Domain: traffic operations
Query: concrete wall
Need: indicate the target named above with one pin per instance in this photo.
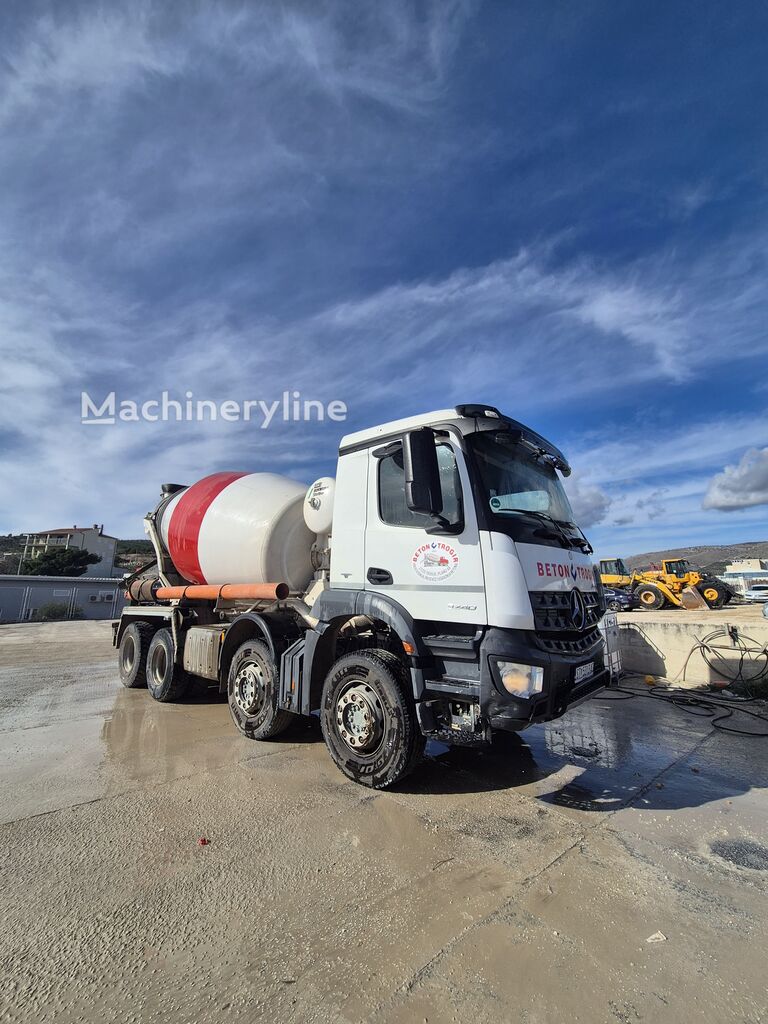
(95, 598)
(658, 643)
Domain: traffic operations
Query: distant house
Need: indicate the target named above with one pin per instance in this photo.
(745, 572)
(85, 538)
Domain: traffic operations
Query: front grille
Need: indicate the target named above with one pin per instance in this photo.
(569, 644)
(554, 623)
(552, 609)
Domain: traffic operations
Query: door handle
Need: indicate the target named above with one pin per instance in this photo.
(381, 577)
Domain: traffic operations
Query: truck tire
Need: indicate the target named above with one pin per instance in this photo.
(649, 596)
(166, 681)
(132, 656)
(713, 594)
(368, 719)
(252, 693)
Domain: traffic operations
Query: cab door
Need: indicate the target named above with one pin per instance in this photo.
(434, 576)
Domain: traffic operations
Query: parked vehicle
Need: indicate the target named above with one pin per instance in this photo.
(437, 588)
(677, 584)
(757, 592)
(618, 600)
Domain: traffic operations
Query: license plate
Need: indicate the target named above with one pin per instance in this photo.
(584, 672)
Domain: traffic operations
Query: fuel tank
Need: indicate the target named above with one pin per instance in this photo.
(238, 528)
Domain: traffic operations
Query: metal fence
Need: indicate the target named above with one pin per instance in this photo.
(80, 597)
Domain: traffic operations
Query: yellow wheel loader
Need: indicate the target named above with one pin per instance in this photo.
(676, 584)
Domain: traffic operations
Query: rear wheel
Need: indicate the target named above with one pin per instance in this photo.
(649, 596)
(368, 719)
(166, 681)
(713, 594)
(252, 692)
(132, 656)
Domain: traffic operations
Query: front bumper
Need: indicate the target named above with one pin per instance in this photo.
(559, 691)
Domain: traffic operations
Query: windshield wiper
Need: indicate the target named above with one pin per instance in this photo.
(560, 533)
(586, 547)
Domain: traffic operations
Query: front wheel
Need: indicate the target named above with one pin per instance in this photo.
(614, 606)
(368, 719)
(252, 692)
(649, 597)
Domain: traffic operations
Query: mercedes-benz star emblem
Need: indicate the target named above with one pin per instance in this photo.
(578, 609)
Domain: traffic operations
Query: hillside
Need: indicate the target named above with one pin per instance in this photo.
(713, 557)
(125, 546)
(11, 542)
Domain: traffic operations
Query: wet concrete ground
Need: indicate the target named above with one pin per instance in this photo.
(519, 884)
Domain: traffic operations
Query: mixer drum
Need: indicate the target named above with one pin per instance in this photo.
(239, 528)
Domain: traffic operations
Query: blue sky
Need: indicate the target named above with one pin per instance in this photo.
(559, 209)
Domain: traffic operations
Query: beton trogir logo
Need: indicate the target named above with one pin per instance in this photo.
(291, 407)
(435, 561)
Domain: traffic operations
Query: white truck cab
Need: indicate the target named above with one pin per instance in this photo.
(453, 596)
(485, 548)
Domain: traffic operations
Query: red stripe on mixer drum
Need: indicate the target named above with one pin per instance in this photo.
(184, 527)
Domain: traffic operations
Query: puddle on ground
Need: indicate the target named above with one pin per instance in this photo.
(591, 751)
(580, 798)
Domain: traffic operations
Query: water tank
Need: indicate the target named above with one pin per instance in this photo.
(238, 528)
(318, 505)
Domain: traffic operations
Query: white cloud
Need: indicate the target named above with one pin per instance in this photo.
(103, 51)
(631, 453)
(741, 486)
(178, 197)
(590, 504)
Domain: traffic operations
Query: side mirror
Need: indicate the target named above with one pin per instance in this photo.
(422, 474)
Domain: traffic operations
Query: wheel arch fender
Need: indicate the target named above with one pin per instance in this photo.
(335, 607)
(248, 626)
(128, 617)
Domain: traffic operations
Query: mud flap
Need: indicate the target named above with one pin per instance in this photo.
(690, 598)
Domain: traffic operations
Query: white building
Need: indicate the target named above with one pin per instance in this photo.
(742, 573)
(747, 565)
(85, 538)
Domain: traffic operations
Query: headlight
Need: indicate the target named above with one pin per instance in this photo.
(520, 680)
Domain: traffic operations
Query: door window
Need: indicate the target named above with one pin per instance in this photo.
(392, 507)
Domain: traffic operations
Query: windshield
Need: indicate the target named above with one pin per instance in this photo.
(678, 567)
(514, 480)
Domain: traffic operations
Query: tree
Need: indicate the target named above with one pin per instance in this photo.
(9, 564)
(61, 562)
(54, 611)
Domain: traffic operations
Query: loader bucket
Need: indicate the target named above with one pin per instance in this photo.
(690, 598)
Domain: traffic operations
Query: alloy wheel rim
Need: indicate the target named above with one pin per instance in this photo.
(360, 718)
(159, 664)
(129, 653)
(250, 690)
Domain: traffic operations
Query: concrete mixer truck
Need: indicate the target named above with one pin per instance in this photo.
(438, 587)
